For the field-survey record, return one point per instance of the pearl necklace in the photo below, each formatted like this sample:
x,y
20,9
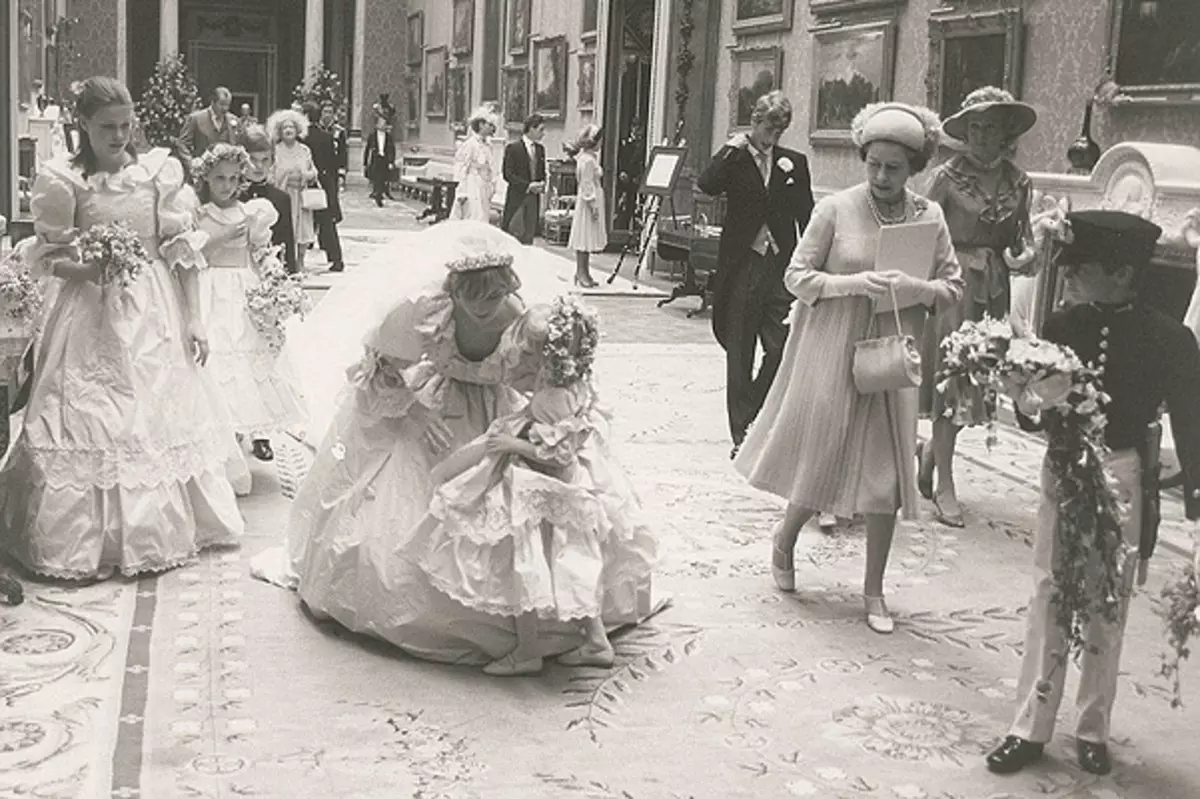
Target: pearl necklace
x,y
888,220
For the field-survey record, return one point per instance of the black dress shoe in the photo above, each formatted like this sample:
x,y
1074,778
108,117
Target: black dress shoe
x,y
261,449
1013,755
1093,757
337,266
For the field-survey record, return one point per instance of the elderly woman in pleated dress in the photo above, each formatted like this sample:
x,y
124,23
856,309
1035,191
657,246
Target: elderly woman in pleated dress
x,y
818,443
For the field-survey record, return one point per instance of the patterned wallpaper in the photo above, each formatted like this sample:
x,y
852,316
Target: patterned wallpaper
x,y
95,39
383,57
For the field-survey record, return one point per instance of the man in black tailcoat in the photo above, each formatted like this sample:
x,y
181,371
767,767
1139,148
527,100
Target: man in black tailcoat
x,y
768,200
324,154
524,170
379,153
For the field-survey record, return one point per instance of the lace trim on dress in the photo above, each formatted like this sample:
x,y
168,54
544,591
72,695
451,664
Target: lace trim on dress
x,y
206,539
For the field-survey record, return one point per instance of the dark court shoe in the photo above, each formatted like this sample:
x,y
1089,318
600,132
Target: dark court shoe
x,y
261,449
1013,755
1093,757
337,266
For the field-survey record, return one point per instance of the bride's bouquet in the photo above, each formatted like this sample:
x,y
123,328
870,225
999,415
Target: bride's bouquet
x,y
1040,374
1181,614
117,250
277,298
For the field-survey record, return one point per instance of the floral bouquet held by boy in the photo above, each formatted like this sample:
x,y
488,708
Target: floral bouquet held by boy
x,y
535,519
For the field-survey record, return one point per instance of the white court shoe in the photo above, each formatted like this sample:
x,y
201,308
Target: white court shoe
x,y
879,618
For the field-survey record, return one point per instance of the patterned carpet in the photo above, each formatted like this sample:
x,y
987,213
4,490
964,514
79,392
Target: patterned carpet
x,y
205,683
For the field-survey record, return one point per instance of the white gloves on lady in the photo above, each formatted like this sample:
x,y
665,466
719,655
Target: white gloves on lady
x,y
861,284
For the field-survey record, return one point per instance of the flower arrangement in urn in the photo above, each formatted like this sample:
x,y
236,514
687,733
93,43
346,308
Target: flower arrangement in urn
x,y
277,298
987,355
20,296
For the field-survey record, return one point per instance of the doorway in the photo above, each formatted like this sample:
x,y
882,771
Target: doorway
x,y
630,50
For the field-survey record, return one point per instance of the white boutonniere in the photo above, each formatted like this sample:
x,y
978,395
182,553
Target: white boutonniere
x,y
785,164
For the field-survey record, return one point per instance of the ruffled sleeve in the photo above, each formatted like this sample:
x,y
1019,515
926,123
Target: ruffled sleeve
x,y
181,244
53,207
261,215
384,390
561,425
407,329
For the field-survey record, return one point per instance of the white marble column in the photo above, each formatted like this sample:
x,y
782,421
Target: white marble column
x,y
314,34
659,61
122,41
168,28
357,90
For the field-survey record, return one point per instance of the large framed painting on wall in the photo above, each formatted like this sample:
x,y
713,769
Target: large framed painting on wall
x,y
1155,50
762,16
755,72
412,101
459,78
550,77
416,37
514,101
435,82
464,27
853,66
967,51
518,26
587,82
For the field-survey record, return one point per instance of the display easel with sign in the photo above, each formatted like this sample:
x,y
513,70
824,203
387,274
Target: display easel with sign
x,y
658,182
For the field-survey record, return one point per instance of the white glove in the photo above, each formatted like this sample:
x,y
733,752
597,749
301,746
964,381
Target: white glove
x,y
861,284
1018,263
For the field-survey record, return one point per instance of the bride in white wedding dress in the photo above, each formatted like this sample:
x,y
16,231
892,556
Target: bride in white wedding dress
x,y
435,340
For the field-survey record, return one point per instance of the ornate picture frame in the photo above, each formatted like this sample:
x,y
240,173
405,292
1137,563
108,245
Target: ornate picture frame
x,y
517,30
412,101
762,16
970,50
590,20
458,80
514,96
754,72
463,37
585,81
1141,49
434,78
416,38
548,89
866,51
826,8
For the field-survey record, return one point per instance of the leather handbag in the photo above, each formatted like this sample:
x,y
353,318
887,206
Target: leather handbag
x,y
313,199
886,363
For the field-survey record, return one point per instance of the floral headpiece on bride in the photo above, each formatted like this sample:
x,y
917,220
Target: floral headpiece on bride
x,y
480,261
572,333
220,153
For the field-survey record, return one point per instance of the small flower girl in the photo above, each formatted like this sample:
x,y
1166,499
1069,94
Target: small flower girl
x,y
535,518
256,383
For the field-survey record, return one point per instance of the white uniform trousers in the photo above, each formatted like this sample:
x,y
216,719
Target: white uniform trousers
x,y
1045,644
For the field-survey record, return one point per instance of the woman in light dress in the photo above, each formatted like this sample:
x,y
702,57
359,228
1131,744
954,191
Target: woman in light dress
x,y
294,171
448,339
818,442
120,463
986,201
258,386
589,230
473,169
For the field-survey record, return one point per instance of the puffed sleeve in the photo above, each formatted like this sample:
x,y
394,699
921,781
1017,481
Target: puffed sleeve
x,y
564,426
261,216
805,276
181,244
402,334
53,207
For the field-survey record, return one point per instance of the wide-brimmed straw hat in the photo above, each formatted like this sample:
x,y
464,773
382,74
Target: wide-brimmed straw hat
x,y
1020,116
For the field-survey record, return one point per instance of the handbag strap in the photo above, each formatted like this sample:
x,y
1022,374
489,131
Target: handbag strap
x,y
895,313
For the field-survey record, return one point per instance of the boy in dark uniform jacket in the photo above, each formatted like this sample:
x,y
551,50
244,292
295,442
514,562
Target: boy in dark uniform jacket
x,y
1145,358
262,156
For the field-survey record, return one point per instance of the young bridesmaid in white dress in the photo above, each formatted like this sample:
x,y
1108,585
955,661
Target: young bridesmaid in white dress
x,y
589,231
257,385
120,463
535,519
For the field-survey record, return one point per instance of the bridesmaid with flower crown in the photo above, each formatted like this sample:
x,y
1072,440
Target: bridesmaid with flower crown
x,y
120,463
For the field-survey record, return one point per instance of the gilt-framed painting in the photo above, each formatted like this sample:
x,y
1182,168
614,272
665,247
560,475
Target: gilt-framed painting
x,y
514,93
549,66
416,37
967,51
852,67
412,101
459,78
1155,49
762,16
463,36
586,82
755,72
825,8
518,26
591,20
435,82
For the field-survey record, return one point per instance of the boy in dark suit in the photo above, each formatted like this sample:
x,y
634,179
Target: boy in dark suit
x,y
524,170
262,156
379,153
768,200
